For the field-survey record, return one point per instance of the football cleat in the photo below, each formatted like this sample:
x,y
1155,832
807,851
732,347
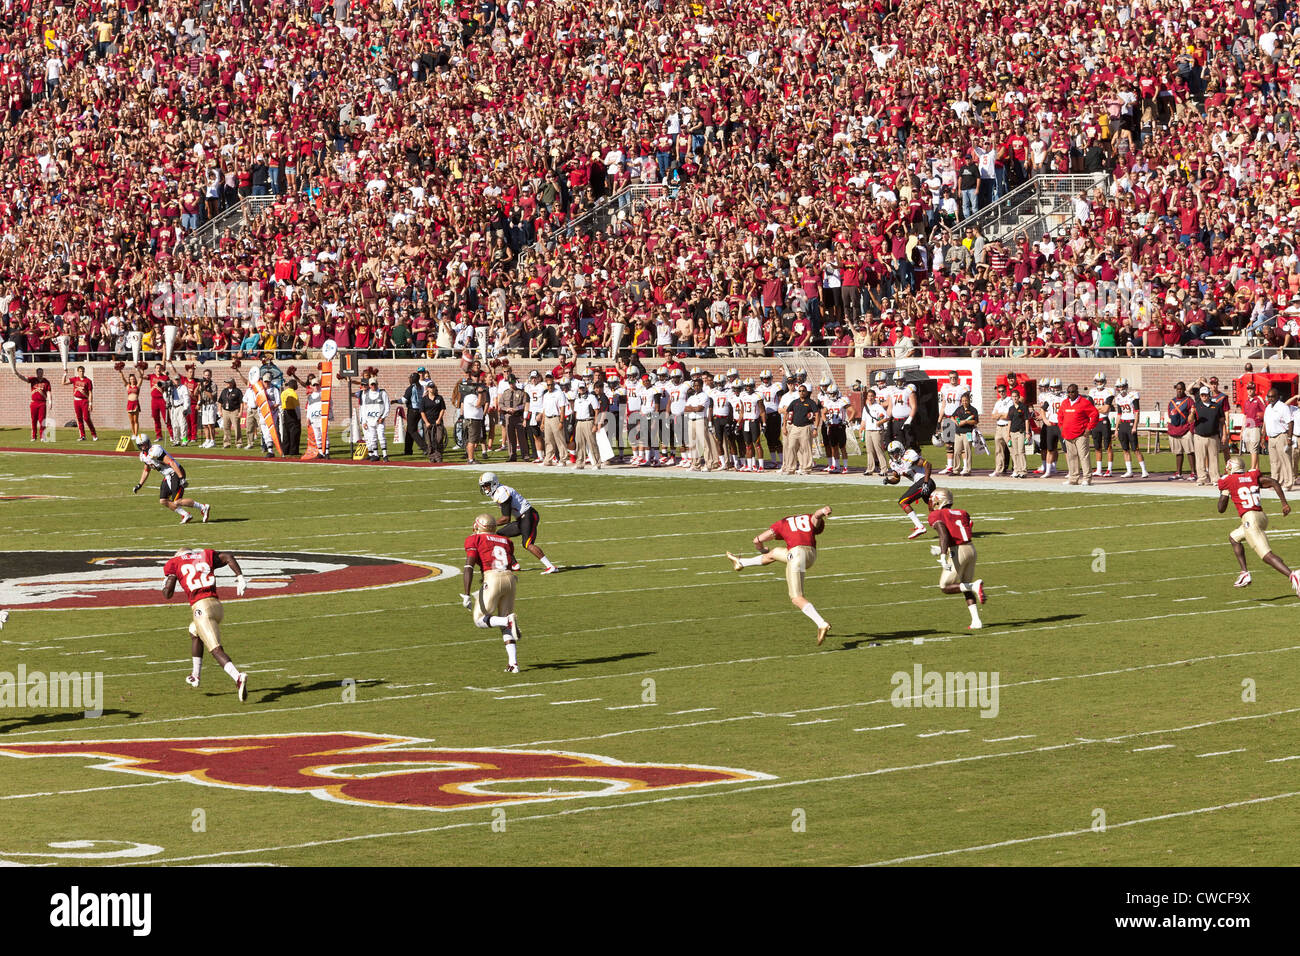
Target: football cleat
x,y
735,561
821,633
1295,582
916,533
551,570
185,518
512,668
192,680
1243,580
241,685
979,590
975,627
205,510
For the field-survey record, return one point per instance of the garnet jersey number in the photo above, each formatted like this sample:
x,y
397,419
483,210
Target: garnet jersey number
x,y
196,571
1243,489
956,521
796,531
491,551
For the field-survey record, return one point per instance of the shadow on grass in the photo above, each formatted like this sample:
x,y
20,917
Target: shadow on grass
x,y
288,690
566,568
612,659
1034,620
38,720
224,520
870,639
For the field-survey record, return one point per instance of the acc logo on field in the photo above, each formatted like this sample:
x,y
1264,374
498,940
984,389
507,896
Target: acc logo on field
x,y
380,770
38,580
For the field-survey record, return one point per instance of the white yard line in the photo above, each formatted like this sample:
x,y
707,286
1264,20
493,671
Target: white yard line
x,y
858,730
585,700
1138,750
1068,833
64,793
1220,753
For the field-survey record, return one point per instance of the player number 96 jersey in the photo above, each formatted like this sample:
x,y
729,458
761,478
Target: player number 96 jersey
x,y
493,552
196,571
1243,489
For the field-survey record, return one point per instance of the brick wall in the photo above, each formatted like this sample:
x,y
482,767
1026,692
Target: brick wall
x,y
1153,378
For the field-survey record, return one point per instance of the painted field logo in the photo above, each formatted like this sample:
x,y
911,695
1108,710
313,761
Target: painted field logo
x,y
385,771
37,580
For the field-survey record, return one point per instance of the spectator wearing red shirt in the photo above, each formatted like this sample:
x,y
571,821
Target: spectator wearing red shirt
x,y
1078,417
1252,410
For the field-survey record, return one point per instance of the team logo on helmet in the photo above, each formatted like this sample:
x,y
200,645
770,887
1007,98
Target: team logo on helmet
x,y
1234,466
895,450
941,498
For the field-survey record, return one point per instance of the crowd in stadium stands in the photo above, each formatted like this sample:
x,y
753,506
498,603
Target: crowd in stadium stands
x,y
810,159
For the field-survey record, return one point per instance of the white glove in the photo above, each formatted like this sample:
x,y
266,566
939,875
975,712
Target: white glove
x,y
241,583
466,601
4,616
936,550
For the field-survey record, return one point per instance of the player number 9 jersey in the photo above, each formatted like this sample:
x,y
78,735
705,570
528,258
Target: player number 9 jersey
x,y
493,552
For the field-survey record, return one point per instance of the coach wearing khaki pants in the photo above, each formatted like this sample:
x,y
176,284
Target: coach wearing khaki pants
x,y
801,420
555,407
1077,417
1206,433
1277,426
874,417
1002,431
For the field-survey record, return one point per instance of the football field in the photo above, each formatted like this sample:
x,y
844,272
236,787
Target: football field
x,y
1124,704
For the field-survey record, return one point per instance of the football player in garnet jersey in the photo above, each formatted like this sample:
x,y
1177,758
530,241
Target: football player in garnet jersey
x,y
494,603
908,463
956,554
518,517
1242,488
172,479
799,532
196,571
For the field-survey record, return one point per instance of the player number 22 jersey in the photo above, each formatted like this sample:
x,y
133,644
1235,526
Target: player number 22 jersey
x,y
196,571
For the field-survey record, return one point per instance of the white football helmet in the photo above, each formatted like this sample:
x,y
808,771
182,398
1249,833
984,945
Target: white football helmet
x,y
1055,384
940,498
1234,466
487,482
156,452
1100,378
1122,383
142,442
912,456
485,524
896,450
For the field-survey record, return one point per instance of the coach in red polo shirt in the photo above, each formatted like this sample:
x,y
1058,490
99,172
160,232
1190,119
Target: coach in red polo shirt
x,y
1078,416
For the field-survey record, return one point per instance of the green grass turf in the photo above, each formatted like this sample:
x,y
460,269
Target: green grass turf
x,y
1095,666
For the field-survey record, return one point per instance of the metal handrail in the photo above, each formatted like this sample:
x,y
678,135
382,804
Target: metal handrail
x,y
599,215
229,219
1004,215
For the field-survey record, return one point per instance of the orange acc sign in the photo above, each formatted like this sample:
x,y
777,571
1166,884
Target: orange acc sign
x,y
361,768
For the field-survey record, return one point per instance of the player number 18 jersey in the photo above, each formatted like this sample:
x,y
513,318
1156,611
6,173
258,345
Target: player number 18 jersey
x,y
796,531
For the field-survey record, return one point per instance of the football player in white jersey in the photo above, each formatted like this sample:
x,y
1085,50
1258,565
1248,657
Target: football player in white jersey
x,y
835,415
1104,398
902,410
1126,406
172,479
907,463
314,416
373,414
535,391
639,411
1049,402
519,519
749,405
950,393
771,393
676,392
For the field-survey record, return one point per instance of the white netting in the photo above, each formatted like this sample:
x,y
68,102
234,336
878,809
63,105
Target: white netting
x,y
816,367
